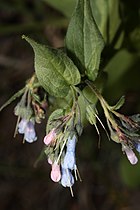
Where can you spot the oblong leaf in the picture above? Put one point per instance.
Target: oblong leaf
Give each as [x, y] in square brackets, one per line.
[84, 41]
[54, 119]
[54, 69]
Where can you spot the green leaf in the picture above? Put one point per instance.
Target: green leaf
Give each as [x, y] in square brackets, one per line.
[91, 114]
[54, 69]
[54, 119]
[65, 102]
[89, 95]
[84, 41]
[119, 104]
[82, 107]
[107, 16]
[16, 95]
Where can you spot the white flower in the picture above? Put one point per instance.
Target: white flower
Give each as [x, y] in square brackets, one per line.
[130, 155]
[22, 125]
[29, 132]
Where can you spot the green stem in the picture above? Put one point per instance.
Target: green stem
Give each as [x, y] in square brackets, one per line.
[104, 105]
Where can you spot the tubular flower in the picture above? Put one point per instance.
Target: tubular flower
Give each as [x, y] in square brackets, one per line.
[69, 161]
[50, 161]
[27, 128]
[50, 137]
[131, 155]
[137, 146]
[67, 179]
[55, 172]
[71, 144]
[29, 132]
[22, 125]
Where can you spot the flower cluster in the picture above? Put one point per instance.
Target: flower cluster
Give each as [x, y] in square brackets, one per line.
[64, 163]
[27, 128]
[126, 131]
[65, 125]
[123, 129]
[29, 110]
[60, 149]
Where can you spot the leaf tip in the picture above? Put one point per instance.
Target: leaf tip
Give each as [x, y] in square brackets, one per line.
[23, 36]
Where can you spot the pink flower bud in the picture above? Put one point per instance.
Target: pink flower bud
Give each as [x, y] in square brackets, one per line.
[50, 138]
[50, 161]
[131, 156]
[55, 172]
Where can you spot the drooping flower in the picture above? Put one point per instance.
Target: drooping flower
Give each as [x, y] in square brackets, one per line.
[50, 161]
[69, 161]
[22, 125]
[71, 144]
[50, 137]
[55, 172]
[67, 179]
[130, 155]
[29, 132]
[137, 146]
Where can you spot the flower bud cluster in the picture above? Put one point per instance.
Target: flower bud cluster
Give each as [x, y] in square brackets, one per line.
[68, 164]
[126, 133]
[63, 163]
[29, 110]
[27, 128]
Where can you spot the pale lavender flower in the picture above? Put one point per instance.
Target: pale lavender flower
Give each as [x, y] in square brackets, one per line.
[137, 146]
[71, 144]
[29, 132]
[69, 161]
[131, 155]
[67, 179]
[55, 172]
[22, 125]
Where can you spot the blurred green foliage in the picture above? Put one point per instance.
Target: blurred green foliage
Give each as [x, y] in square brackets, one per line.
[64, 6]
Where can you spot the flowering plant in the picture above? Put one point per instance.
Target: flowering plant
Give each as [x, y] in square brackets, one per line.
[73, 78]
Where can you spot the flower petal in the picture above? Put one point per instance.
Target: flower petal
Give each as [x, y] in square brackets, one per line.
[71, 144]
[137, 146]
[67, 179]
[29, 134]
[55, 172]
[22, 125]
[131, 156]
[50, 138]
[69, 160]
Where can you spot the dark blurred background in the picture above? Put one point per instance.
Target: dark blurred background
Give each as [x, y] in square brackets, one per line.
[109, 181]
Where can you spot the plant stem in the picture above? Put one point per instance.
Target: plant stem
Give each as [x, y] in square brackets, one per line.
[104, 105]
